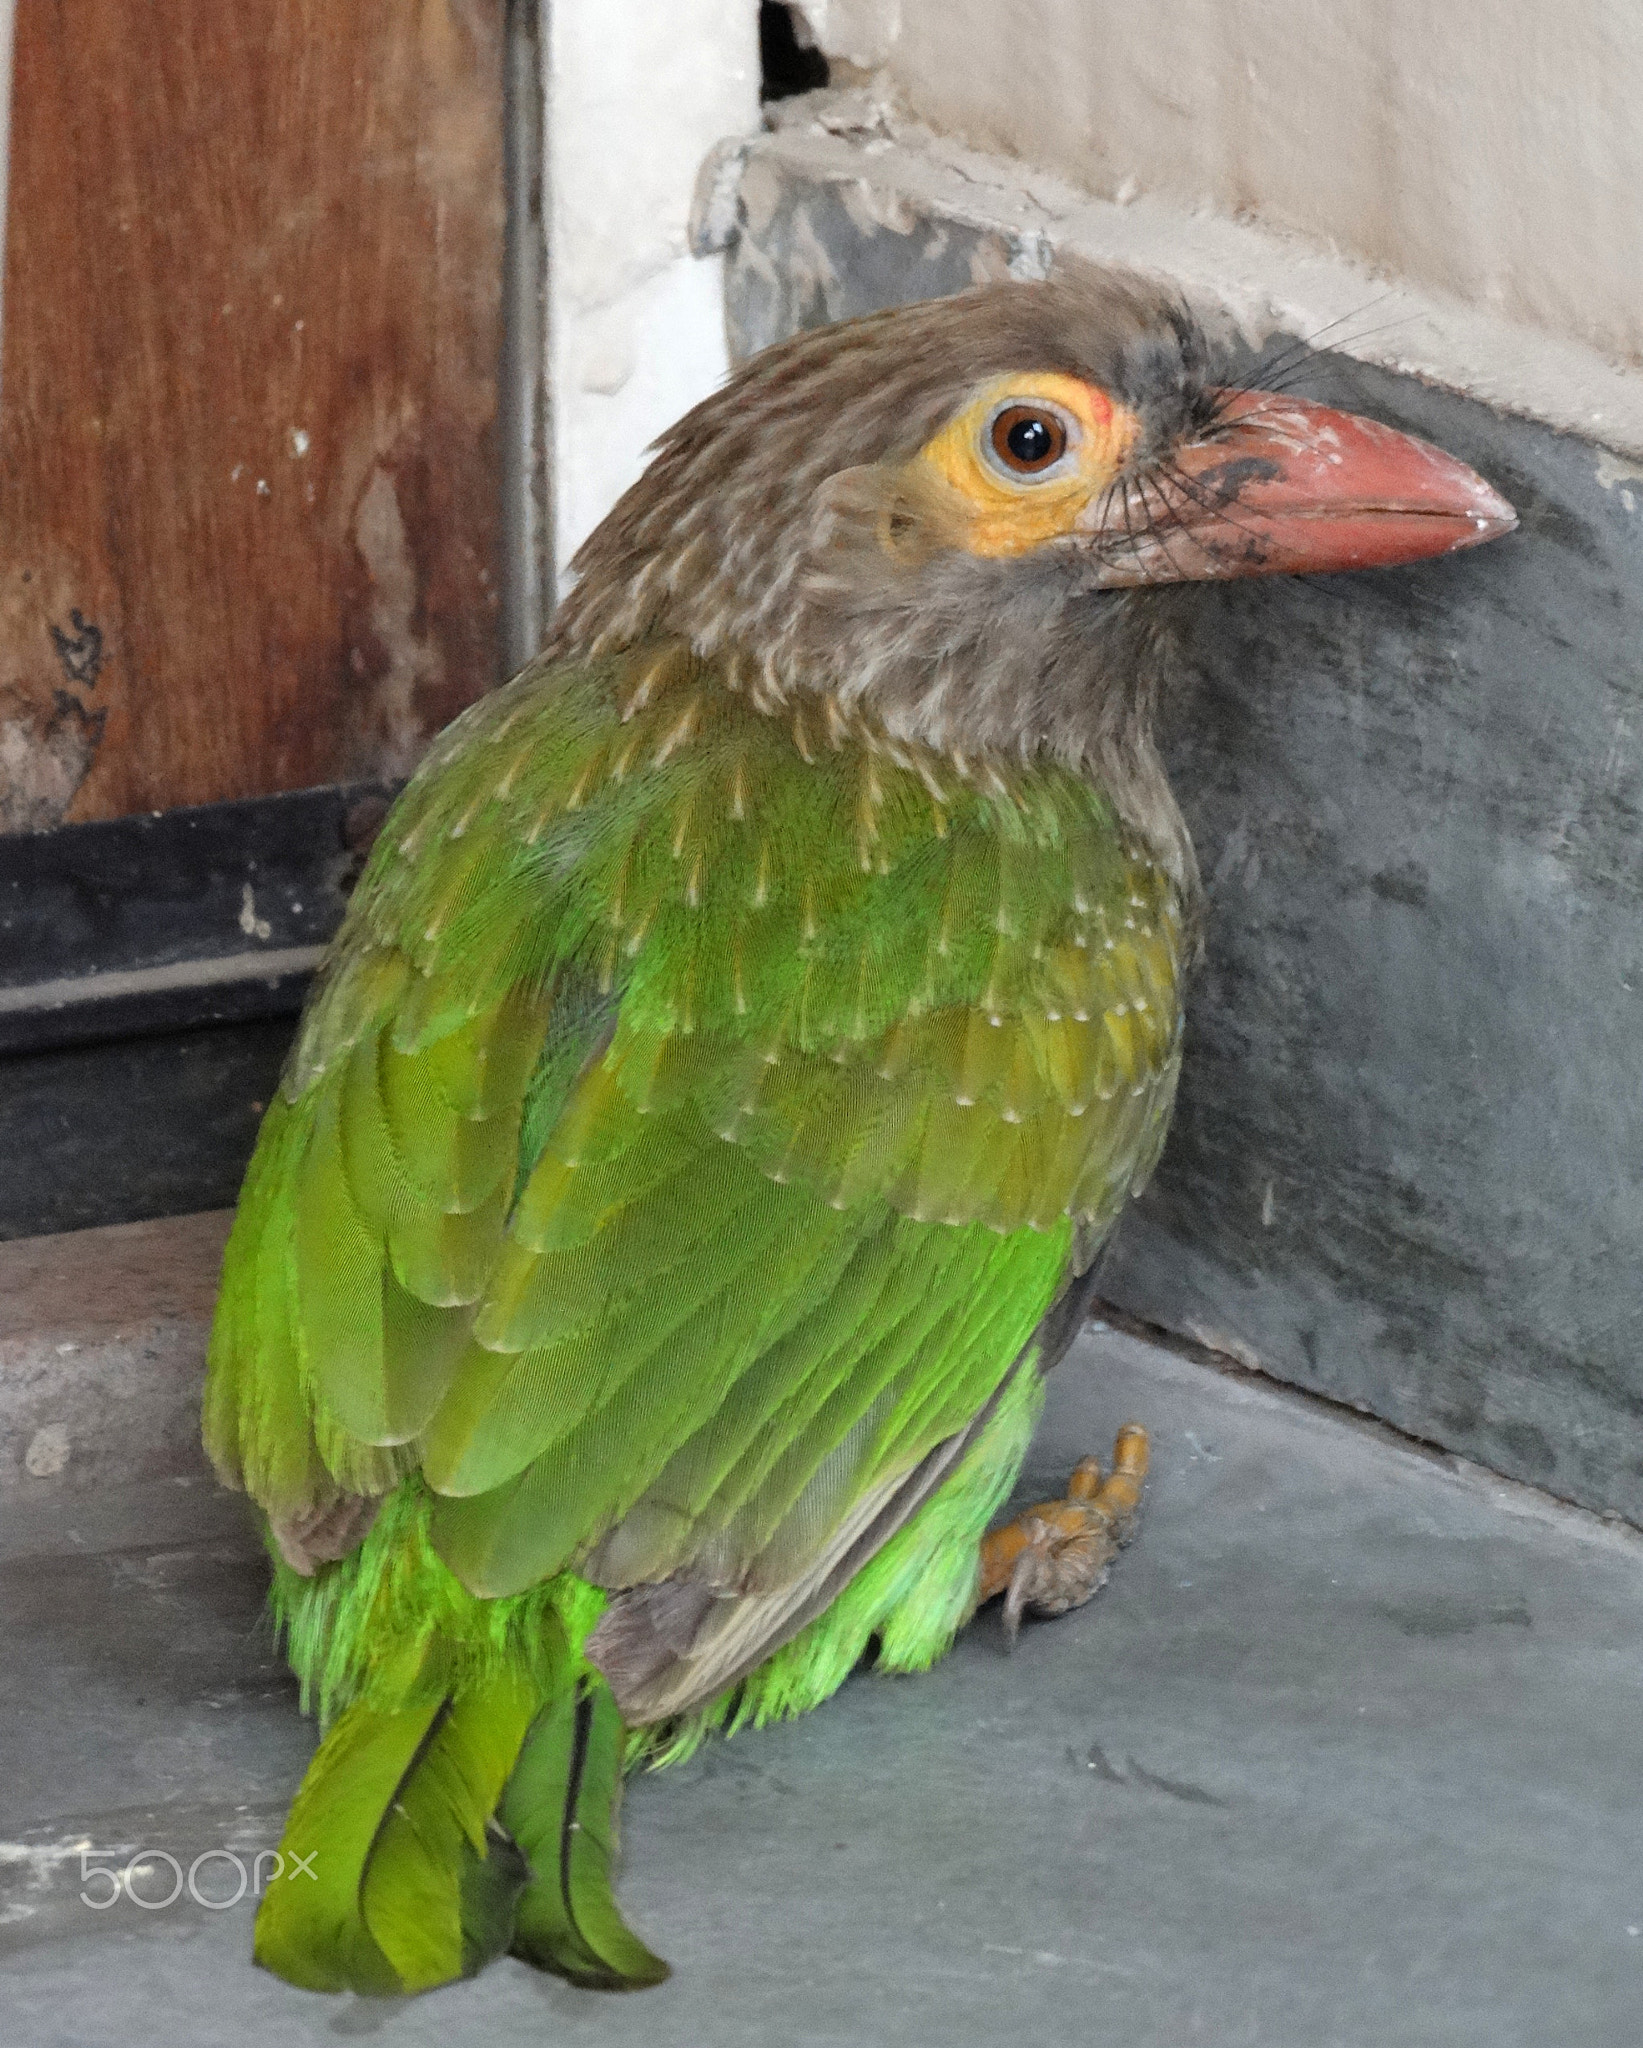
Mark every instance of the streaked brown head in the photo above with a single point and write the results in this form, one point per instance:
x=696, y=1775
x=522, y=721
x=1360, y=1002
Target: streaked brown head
x=955, y=514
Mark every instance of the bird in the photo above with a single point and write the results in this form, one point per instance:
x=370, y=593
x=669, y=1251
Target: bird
x=749, y=1025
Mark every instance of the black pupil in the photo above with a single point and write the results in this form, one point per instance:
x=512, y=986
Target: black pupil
x=1030, y=441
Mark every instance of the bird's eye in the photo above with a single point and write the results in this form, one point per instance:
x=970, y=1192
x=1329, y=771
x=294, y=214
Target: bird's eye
x=1026, y=440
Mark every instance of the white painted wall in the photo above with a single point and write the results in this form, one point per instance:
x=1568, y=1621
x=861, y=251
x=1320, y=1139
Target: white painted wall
x=636, y=94
x=1488, y=149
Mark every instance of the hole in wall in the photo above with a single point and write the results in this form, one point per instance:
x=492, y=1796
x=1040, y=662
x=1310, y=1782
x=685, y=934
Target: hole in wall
x=788, y=58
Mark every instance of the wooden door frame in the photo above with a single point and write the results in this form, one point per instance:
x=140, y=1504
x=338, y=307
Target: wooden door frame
x=151, y=967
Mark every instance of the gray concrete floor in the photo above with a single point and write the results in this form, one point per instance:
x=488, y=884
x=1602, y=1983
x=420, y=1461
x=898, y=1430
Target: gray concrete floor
x=1350, y=1751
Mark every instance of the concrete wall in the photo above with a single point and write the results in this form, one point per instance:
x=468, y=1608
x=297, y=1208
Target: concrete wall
x=1489, y=151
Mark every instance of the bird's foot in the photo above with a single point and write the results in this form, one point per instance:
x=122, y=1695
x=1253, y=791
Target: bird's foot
x=1056, y=1555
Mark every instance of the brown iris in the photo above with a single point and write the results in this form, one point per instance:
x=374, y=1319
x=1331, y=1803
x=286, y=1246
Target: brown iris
x=1028, y=439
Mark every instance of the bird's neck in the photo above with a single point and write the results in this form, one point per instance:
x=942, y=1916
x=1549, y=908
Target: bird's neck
x=1114, y=753
x=1009, y=662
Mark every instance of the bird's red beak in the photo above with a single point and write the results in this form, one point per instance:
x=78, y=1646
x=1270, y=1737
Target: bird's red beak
x=1283, y=486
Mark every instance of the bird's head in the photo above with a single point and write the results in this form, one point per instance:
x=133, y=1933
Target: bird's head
x=959, y=515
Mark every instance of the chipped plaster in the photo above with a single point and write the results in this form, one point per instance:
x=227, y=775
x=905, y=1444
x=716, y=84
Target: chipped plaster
x=1262, y=279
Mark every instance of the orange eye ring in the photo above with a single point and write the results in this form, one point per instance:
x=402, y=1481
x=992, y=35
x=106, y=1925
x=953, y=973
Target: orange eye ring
x=1027, y=440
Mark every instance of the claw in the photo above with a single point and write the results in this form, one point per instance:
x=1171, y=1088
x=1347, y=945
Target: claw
x=1056, y=1555
x=1024, y=1576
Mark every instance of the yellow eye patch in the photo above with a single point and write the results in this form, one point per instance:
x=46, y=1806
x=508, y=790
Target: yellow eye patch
x=1023, y=459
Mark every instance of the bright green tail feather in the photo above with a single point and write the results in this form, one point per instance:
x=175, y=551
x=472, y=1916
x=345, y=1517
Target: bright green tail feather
x=427, y=1841
x=311, y=1927
x=392, y=1879
x=561, y=1807
x=464, y=1798
x=436, y=1830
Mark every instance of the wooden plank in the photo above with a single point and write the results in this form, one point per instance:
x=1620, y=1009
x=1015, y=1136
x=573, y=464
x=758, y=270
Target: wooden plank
x=248, y=450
